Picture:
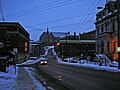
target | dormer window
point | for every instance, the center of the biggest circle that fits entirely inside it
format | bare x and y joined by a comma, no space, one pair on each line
114,6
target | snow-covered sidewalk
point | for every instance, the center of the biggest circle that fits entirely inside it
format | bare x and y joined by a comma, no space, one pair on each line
89,65
22,80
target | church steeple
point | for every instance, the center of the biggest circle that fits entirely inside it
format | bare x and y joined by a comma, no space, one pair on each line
47,30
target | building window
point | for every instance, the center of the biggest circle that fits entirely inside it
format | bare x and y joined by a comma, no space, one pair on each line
106,26
97,31
113,26
114,46
109,8
108,47
114,6
102,47
102,29
98,47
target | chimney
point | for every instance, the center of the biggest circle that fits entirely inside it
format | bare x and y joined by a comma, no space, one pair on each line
74,35
79,36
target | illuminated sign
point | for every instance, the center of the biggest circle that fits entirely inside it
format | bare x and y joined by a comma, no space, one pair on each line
118,49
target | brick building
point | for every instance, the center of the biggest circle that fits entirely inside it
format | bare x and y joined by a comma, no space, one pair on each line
73,45
18,39
4,40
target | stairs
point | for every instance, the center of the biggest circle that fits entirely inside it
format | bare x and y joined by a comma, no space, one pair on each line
104,60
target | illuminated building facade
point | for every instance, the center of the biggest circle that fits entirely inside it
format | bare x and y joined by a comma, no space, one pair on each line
106,31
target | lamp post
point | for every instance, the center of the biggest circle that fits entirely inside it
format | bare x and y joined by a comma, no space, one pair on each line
118,27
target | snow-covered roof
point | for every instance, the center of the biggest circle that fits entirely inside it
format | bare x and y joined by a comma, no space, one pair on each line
77,41
59,34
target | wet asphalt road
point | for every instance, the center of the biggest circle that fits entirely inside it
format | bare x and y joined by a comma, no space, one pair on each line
81,78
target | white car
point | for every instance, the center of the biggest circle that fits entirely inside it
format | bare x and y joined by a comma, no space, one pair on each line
43,61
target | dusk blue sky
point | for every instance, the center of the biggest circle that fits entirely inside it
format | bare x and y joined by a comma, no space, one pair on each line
58,15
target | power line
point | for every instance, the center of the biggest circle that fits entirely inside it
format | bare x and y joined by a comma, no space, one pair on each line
84,16
58,26
32,9
83,24
53,21
53,6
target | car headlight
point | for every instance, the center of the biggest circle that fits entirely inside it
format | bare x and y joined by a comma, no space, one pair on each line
45,61
41,62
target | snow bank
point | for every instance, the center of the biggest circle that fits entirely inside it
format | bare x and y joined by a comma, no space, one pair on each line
89,65
37,84
7,80
30,62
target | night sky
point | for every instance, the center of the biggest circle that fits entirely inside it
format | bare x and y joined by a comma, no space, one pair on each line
58,15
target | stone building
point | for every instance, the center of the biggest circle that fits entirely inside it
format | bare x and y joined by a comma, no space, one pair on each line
50,38
106,30
47,38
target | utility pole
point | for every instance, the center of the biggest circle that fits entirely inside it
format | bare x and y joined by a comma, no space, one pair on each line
2,16
118,27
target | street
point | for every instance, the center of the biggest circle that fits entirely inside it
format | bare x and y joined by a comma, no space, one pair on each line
80,78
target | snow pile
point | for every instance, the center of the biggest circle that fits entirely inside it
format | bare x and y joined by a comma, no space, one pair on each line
54,53
90,65
7,80
28,62
31,62
10,71
114,64
86,64
10,80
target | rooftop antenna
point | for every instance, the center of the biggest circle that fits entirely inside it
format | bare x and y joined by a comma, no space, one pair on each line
1,10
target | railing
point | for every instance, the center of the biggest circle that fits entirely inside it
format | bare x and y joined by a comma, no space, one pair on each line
104,60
